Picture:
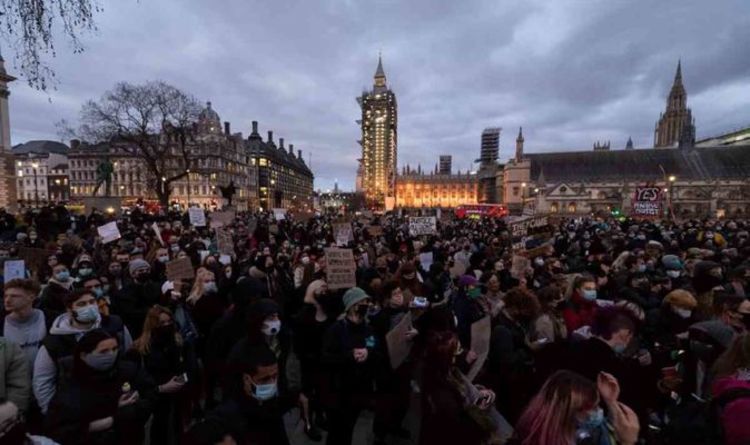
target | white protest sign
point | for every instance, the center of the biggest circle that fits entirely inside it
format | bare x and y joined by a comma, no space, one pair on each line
155,228
425,259
422,225
13,269
109,232
342,233
225,259
197,217
279,214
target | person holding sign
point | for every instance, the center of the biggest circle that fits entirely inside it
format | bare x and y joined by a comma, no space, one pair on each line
350,358
393,382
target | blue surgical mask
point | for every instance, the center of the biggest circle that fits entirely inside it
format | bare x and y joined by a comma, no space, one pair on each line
100,361
619,349
673,273
98,292
62,276
87,314
642,268
86,271
589,294
266,391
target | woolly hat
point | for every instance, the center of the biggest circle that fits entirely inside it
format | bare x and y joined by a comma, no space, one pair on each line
467,280
138,264
354,296
681,298
671,262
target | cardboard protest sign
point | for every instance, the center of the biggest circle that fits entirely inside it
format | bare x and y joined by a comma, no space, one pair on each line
480,344
224,242
340,268
342,233
33,257
519,266
279,214
13,269
398,346
221,219
521,227
179,269
109,232
425,259
647,202
157,231
197,217
422,225
375,230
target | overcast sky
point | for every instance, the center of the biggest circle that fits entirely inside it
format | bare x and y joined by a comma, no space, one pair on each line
569,72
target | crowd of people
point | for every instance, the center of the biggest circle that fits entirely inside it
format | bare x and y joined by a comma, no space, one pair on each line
585,331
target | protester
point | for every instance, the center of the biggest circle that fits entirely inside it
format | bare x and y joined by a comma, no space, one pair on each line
22,324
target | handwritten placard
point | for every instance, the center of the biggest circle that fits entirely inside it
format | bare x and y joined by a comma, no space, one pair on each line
13,269
179,269
398,346
342,233
422,225
340,268
197,217
221,219
480,344
224,242
109,232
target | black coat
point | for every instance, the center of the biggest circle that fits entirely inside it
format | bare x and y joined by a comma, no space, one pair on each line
252,422
133,302
88,396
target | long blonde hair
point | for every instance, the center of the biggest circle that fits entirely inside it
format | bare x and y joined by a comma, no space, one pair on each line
143,343
197,291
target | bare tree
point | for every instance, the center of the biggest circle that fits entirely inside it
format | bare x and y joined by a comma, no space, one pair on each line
30,25
154,122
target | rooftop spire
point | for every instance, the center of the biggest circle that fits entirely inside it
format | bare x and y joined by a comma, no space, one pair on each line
678,74
520,134
379,72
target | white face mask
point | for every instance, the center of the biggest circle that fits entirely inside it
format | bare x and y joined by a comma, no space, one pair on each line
673,273
305,260
683,313
271,327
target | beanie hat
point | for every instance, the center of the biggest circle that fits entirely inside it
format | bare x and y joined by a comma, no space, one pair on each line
354,296
137,264
681,298
671,262
467,280
264,307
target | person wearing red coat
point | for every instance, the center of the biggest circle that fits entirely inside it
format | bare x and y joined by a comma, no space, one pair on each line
580,310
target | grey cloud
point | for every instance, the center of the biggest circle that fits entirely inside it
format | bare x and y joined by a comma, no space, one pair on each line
570,72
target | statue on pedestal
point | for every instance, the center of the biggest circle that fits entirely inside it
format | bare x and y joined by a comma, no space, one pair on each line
228,192
104,175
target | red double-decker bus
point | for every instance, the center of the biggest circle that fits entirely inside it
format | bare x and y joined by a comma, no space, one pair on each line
480,210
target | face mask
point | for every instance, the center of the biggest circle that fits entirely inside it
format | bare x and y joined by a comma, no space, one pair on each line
265,392
746,321
228,274
362,310
673,273
85,272
271,327
175,248
98,292
305,260
642,268
594,420
619,349
373,311
88,314
100,362
163,258
115,272
589,294
539,262
474,292
62,276
642,237
210,287
105,288
683,313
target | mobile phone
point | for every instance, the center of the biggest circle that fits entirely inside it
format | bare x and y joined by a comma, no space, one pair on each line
420,302
482,400
182,378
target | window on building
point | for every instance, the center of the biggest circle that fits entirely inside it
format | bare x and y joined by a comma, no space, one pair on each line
515,191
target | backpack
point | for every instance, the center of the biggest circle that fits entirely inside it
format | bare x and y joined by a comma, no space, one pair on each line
697,421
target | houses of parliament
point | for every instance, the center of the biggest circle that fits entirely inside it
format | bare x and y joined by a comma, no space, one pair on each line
700,178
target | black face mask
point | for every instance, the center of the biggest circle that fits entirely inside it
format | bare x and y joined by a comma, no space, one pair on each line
163,333
362,311
746,321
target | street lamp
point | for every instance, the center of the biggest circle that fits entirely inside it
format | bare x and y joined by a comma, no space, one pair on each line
672,179
35,165
188,186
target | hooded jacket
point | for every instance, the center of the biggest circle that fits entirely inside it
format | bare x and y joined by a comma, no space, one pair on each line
59,343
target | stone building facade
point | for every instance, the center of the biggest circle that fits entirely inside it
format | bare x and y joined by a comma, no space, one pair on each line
416,188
